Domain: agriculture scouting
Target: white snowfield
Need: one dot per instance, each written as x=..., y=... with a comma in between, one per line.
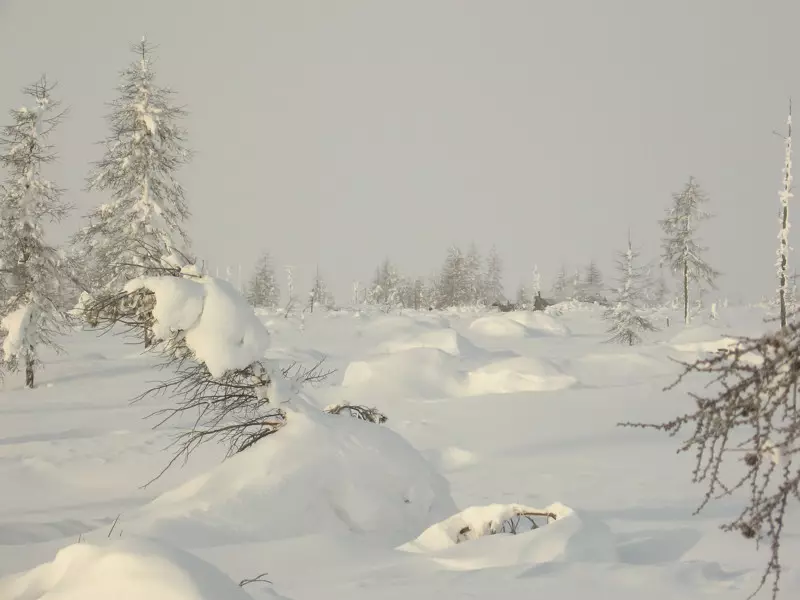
x=489, y=415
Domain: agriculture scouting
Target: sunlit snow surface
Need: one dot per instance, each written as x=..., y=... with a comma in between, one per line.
x=484, y=410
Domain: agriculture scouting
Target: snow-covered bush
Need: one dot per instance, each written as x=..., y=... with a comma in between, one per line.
x=33, y=274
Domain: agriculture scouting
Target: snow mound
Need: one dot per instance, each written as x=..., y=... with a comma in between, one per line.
x=704, y=338
x=613, y=369
x=219, y=326
x=415, y=373
x=570, y=538
x=127, y=569
x=446, y=340
x=539, y=323
x=518, y=374
x=321, y=474
x=499, y=326
x=390, y=326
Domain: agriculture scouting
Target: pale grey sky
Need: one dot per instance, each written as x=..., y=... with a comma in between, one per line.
x=341, y=131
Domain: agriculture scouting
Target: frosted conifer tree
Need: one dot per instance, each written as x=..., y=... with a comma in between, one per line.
x=143, y=220
x=493, y=279
x=592, y=286
x=626, y=321
x=560, y=285
x=319, y=294
x=292, y=297
x=536, y=282
x=473, y=276
x=33, y=271
x=263, y=290
x=660, y=289
x=785, y=195
x=454, y=289
x=681, y=250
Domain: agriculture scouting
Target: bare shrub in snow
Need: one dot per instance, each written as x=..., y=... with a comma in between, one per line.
x=34, y=273
x=213, y=344
x=357, y=411
x=752, y=421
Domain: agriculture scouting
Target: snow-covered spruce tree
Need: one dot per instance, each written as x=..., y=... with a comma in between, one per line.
x=681, y=250
x=592, y=286
x=473, y=276
x=143, y=219
x=263, y=290
x=33, y=272
x=493, y=278
x=319, y=294
x=625, y=316
x=660, y=295
x=454, y=289
x=560, y=285
x=785, y=195
x=536, y=283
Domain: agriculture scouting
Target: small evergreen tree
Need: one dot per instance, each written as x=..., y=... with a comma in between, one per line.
x=592, y=287
x=560, y=285
x=493, y=279
x=626, y=321
x=681, y=250
x=34, y=273
x=473, y=277
x=263, y=290
x=454, y=289
x=319, y=294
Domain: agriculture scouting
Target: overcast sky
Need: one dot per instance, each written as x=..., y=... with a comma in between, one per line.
x=337, y=132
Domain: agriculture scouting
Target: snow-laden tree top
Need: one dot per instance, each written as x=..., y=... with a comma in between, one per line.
x=143, y=219
x=209, y=315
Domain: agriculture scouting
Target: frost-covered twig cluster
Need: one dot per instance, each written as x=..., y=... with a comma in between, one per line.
x=357, y=411
x=752, y=418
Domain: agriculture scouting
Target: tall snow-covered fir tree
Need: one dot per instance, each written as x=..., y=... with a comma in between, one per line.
x=626, y=321
x=493, y=278
x=561, y=285
x=319, y=294
x=386, y=285
x=454, y=290
x=680, y=248
x=263, y=290
x=33, y=272
x=785, y=195
x=592, y=286
x=473, y=276
x=142, y=221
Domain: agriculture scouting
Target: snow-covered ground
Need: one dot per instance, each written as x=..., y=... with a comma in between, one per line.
x=484, y=410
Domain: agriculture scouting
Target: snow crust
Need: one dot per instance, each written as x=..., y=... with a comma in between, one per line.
x=219, y=326
x=520, y=374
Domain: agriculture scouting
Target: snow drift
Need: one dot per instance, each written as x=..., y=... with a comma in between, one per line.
x=446, y=340
x=539, y=323
x=519, y=374
x=415, y=373
x=499, y=326
x=127, y=569
x=322, y=474
x=569, y=538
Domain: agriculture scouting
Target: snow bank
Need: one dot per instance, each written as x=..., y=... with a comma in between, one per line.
x=220, y=327
x=518, y=374
x=127, y=569
x=618, y=368
x=322, y=474
x=446, y=340
x=499, y=326
x=16, y=325
x=570, y=538
x=539, y=323
x=416, y=373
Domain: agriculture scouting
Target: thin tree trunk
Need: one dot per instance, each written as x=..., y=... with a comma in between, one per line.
x=686, y=293
x=29, y=373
